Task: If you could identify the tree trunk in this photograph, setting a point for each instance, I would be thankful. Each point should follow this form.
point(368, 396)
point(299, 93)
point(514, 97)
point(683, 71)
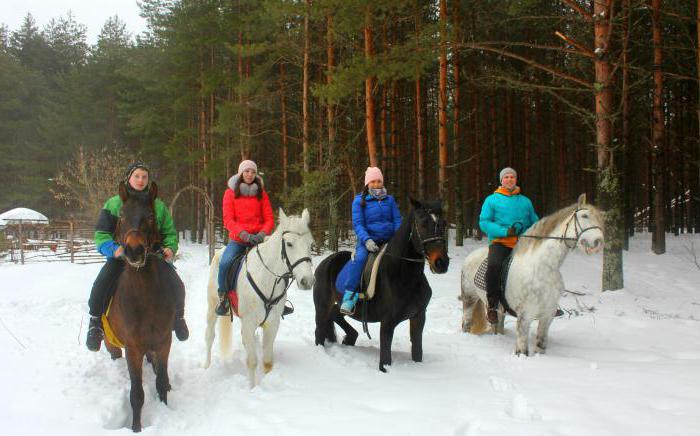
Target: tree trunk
point(608, 181)
point(658, 238)
point(285, 136)
point(456, 173)
point(332, 165)
point(442, 110)
point(305, 93)
point(369, 99)
point(628, 169)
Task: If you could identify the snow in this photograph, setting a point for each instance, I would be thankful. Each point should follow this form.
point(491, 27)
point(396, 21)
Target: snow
point(630, 366)
point(27, 216)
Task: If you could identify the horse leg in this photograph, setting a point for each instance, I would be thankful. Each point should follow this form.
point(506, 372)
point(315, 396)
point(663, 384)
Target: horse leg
point(468, 307)
point(499, 328)
point(210, 331)
point(324, 326)
point(542, 333)
point(248, 336)
point(350, 332)
point(522, 331)
point(270, 329)
point(386, 336)
point(160, 361)
point(416, 329)
point(114, 352)
point(134, 359)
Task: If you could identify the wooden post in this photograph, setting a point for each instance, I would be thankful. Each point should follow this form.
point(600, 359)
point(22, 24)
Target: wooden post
point(21, 246)
point(72, 248)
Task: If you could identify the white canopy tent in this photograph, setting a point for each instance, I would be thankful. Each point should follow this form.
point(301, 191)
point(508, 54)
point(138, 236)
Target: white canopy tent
point(22, 215)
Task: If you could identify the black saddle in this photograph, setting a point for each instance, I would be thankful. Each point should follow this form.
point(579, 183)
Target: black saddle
point(233, 270)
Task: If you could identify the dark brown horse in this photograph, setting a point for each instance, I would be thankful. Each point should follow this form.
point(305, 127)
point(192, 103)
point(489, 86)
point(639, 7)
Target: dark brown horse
point(143, 308)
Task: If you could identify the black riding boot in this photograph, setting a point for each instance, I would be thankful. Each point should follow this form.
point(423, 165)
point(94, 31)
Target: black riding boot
point(497, 254)
point(224, 306)
point(95, 334)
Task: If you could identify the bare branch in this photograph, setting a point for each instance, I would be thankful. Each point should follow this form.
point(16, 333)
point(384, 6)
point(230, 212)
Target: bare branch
point(578, 8)
point(581, 48)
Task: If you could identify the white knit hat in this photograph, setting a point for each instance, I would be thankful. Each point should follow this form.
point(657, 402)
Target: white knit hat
point(506, 170)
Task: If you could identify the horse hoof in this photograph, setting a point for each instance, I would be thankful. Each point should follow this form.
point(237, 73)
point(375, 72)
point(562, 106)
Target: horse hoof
point(521, 353)
point(350, 339)
point(382, 369)
point(267, 367)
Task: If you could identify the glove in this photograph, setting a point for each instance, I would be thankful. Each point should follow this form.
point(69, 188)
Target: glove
point(370, 245)
point(257, 238)
point(244, 236)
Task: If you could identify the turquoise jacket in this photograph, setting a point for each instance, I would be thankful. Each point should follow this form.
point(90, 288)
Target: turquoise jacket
point(502, 210)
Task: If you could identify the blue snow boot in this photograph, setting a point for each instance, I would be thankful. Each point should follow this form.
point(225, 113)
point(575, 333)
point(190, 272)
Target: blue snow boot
point(347, 307)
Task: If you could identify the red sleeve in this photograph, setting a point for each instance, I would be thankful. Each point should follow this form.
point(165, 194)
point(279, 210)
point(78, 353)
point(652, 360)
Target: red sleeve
point(268, 217)
point(229, 209)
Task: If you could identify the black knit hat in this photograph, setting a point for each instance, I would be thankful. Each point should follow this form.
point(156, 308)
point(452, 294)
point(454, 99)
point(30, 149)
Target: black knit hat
point(138, 165)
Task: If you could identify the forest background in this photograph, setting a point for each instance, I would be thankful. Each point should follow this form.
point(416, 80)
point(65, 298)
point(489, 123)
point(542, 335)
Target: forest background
point(596, 97)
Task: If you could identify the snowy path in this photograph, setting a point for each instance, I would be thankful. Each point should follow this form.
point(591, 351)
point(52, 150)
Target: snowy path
point(630, 367)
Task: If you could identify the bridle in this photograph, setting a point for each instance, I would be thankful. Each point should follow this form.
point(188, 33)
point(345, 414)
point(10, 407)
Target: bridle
point(147, 247)
point(578, 231)
point(423, 242)
point(287, 277)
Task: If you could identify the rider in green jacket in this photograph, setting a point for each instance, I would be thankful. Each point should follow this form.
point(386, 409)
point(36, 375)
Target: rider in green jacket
point(137, 181)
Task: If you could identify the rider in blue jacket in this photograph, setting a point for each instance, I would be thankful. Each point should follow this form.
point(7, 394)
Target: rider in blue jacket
point(375, 219)
point(505, 215)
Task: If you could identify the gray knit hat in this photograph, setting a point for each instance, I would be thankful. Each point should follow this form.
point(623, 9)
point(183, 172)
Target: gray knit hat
point(506, 170)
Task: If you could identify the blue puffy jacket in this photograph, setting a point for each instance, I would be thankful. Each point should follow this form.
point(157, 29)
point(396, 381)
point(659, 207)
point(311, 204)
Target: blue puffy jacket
point(378, 220)
point(502, 210)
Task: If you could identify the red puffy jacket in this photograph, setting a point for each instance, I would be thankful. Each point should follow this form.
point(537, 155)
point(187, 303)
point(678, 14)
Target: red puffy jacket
point(247, 213)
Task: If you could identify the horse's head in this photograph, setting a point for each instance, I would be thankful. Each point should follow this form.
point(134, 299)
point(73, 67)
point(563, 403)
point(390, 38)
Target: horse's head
point(586, 227)
point(296, 247)
point(136, 228)
point(429, 234)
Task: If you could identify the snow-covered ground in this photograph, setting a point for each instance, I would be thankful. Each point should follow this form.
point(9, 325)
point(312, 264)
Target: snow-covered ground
point(629, 367)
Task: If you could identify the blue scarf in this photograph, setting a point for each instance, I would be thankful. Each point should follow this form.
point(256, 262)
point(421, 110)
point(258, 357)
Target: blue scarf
point(379, 193)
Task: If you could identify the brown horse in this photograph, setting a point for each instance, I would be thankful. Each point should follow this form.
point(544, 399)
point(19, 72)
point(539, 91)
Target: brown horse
point(142, 312)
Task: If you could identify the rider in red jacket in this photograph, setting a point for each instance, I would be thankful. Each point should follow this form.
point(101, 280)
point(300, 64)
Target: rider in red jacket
point(248, 219)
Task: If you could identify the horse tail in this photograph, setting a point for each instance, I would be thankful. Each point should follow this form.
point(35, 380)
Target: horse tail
point(479, 323)
point(225, 329)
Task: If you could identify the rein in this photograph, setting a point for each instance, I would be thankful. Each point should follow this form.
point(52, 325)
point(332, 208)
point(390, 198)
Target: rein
point(423, 243)
point(287, 277)
point(565, 239)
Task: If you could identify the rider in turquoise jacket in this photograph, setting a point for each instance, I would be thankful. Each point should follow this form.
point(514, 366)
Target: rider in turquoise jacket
point(505, 215)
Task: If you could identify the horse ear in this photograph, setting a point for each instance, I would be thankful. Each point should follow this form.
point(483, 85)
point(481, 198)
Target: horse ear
point(581, 200)
point(305, 216)
point(153, 191)
point(123, 193)
point(415, 203)
point(283, 217)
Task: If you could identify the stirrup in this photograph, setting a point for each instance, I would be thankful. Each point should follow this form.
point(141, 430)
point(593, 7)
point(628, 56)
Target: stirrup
point(288, 310)
point(224, 306)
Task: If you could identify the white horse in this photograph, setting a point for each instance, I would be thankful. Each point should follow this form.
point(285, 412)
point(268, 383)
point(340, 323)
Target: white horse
point(534, 281)
point(284, 256)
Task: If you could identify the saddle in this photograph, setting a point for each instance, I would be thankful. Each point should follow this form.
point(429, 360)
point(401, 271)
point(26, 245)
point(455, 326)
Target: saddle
point(231, 281)
point(480, 280)
point(368, 281)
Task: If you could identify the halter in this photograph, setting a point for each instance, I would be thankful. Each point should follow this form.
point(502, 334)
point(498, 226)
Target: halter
point(147, 249)
point(578, 231)
point(287, 277)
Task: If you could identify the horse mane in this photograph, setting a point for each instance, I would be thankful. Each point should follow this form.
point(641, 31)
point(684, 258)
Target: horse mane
point(546, 226)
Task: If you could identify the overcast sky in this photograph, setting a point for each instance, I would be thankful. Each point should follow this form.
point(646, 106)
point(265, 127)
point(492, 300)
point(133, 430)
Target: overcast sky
point(92, 13)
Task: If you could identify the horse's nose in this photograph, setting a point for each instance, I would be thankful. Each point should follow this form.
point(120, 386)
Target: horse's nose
point(441, 264)
point(306, 283)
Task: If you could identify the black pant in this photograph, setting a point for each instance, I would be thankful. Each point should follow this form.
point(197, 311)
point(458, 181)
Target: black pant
point(104, 286)
point(106, 283)
point(497, 254)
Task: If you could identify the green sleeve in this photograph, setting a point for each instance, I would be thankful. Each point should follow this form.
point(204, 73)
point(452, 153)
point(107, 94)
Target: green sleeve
point(107, 221)
point(166, 226)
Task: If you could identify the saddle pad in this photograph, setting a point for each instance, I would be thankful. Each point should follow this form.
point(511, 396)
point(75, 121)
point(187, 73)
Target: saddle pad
point(480, 276)
point(110, 336)
point(369, 274)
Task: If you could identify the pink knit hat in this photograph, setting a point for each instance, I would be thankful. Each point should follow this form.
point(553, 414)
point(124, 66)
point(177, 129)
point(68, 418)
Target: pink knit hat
point(247, 165)
point(373, 173)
